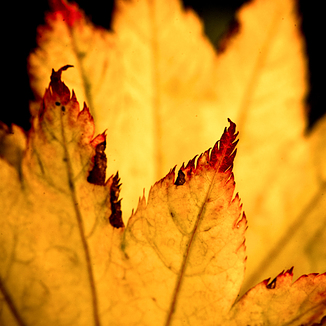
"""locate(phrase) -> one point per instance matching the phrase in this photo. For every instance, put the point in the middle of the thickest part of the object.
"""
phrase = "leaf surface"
(282, 302)
(132, 81)
(68, 259)
(195, 229)
(46, 256)
(157, 83)
(186, 244)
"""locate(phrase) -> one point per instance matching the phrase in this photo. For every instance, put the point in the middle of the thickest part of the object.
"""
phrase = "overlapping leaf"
(282, 303)
(157, 83)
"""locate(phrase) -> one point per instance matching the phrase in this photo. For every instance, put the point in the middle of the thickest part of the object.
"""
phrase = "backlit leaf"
(155, 83)
(160, 94)
(282, 302)
(131, 78)
(67, 258)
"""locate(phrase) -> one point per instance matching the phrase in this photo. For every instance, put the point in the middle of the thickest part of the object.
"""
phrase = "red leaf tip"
(58, 86)
(99, 139)
(69, 11)
(225, 148)
(220, 157)
(290, 271)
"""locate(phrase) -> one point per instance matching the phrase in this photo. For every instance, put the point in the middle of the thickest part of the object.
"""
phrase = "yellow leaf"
(188, 243)
(67, 258)
(46, 257)
(281, 302)
(133, 83)
(157, 85)
(64, 263)
(180, 258)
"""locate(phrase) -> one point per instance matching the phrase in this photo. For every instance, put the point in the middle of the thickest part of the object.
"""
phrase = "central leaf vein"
(199, 219)
(80, 224)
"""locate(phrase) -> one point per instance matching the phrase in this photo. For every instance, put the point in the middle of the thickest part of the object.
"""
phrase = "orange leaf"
(283, 303)
(157, 83)
(46, 254)
(68, 259)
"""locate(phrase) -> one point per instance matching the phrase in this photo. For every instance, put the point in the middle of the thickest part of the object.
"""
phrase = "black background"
(20, 20)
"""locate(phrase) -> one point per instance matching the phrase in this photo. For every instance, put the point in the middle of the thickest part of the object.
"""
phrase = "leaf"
(132, 81)
(270, 303)
(178, 226)
(45, 254)
(157, 83)
(180, 258)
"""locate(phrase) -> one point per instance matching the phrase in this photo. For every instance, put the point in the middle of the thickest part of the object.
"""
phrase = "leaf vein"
(80, 227)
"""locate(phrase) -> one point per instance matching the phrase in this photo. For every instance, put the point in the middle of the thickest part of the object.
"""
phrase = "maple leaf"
(157, 83)
(67, 258)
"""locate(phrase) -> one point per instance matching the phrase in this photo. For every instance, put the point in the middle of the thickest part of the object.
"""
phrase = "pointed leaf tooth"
(203, 159)
(191, 165)
(98, 139)
(290, 271)
(272, 284)
(74, 97)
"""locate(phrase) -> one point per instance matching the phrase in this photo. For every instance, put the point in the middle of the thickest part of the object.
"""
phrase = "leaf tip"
(59, 87)
(98, 139)
(290, 271)
(224, 151)
(69, 11)
(221, 156)
(242, 221)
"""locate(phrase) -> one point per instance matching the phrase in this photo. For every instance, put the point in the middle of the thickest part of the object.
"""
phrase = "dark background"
(20, 20)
